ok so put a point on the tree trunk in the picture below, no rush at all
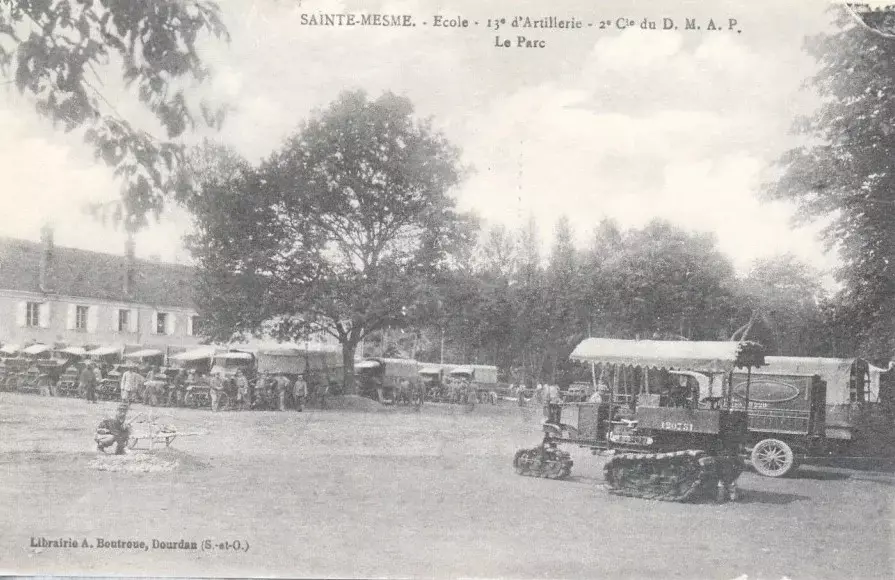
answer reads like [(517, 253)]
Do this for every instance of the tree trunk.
[(348, 349)]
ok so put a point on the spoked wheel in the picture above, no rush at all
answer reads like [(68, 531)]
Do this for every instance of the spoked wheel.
[(773, 458)]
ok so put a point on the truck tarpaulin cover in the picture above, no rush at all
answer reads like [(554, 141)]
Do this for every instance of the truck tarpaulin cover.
[(367, 364), (145, 353), (835, 371), (298, 361), (36, 349), (195, 354), (717, 356), (104, 351)]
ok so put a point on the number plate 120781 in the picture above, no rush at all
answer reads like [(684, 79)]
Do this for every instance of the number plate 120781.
[(672, 426)]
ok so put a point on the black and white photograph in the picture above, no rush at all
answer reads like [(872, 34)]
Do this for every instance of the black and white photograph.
[(447, 289)]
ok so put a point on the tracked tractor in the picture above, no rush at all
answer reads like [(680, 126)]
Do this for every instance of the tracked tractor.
[(672, 438)]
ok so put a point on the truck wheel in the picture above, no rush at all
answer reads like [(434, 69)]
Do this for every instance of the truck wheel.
[(773, 458)]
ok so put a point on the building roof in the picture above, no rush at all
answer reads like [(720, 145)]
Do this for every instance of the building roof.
[(84, 274)]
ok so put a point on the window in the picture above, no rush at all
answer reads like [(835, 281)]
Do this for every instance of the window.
[(161, 323), (32, 314), (195, 326), (124, 321), (81, 317), (859, 387)]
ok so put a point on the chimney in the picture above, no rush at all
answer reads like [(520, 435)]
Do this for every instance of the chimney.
[(130, 265), (46, 259)]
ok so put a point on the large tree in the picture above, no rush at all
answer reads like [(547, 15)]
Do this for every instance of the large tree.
[(530, 331), (566, 312), (783, 299), (668, 283), (60, 51), (343, 231), (844, 171)]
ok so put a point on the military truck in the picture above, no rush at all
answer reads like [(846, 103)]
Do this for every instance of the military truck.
[(379, 378)]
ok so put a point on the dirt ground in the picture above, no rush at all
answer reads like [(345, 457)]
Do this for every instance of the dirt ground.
[(346, 493)]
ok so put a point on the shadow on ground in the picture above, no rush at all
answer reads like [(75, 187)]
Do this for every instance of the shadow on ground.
[(755, 496)]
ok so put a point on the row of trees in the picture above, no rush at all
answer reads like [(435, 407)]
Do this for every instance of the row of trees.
[(525, 312)]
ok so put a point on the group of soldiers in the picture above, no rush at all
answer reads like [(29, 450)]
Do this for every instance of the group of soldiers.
[(452, 390), (272, 391), (150, 385)]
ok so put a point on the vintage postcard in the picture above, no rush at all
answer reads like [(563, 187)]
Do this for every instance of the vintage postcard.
[(447, 289)]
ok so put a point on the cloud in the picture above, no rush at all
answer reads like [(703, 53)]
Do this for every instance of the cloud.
[(632, 125), (651, 126)]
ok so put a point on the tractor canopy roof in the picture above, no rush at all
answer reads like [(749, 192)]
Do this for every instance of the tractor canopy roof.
[(715, 356)]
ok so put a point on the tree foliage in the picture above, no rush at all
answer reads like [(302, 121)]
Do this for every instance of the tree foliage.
[(57, 52), (525, 312), (344, 230), (844, 173), (663, 281), (785, 300)]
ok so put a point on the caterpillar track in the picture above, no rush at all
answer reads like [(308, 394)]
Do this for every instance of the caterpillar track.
[(547, 462), (676, 476)]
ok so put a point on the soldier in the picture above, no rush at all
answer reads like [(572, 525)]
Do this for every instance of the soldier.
[(131, 385), (87, 382), (678, 392), (176, 394), (117, 428), (97, 371), (282, 384), (403, 391), (553, 398), (242, 390), (217, 387), (299, 392), (601, 395)]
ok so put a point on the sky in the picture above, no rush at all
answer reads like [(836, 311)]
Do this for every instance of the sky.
[(628, 124)]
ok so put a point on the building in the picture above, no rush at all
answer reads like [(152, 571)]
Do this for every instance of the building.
[(51, 294)]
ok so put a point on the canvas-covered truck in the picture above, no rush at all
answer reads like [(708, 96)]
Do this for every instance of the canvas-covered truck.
[(431, 377), (225, 364), (857, 419), (786, 419), (482, 380), (380, 378), (35, 378), (670, 440), (320, 365)]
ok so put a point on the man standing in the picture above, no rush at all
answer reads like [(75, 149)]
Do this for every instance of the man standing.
[(299, 392), (178, 390), (282, 383), (553, 398), (131, 385), (242, 390), (87, 382), (217, 387)]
